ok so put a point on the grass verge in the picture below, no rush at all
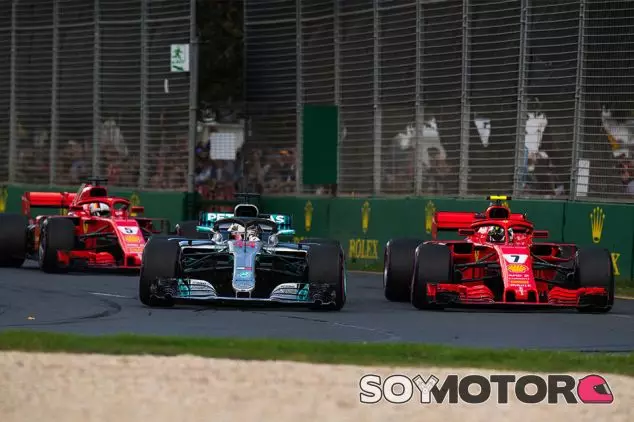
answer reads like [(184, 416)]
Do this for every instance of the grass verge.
[(624, 288), (322, 352)]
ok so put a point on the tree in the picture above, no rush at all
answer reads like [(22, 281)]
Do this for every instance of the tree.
[(221, 51)]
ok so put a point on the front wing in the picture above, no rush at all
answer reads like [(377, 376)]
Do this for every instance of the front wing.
[(457, 295), (201, 291), (98, 260)]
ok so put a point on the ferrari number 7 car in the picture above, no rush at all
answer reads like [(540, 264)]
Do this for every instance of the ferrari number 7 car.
[(97, 230), (496, 263), (242, 260)]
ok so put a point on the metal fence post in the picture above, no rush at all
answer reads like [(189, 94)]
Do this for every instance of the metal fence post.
[(52, 153), (298, 94), (96, 91), (143, 148), (376, 102), (13, 121), (579, 103), (337, 87), (418, 119), (465, 113), (193, 97), (521, 101)]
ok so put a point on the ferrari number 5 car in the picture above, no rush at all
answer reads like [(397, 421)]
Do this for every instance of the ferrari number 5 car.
[(96, 231), (242, 260), (497, 262)]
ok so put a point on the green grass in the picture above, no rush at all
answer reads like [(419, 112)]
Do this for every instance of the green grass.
[(322, 352), (624, 288)]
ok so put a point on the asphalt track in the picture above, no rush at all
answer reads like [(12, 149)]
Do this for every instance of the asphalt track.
[(89, 303)]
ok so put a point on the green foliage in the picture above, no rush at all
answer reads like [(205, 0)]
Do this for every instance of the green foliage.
[(220, 32), (405, 354)]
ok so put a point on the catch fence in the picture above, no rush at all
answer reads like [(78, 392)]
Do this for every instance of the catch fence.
[(448, 97), (88, 89)]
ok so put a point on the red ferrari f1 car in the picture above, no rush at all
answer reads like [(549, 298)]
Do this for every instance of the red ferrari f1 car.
[(497, 263), (97, 231)]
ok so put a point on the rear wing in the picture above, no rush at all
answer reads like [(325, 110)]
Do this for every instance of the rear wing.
[(57, 200), (456, 220), (284, 221)]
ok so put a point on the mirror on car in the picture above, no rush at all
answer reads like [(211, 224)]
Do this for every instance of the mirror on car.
[(465, 232)]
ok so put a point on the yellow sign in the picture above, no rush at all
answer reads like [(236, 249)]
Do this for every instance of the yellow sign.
[(506, 204), (4, 194), (308, 216), (135, 201), (615, 258), (131, 238), (517, 268), (363, 248), (365, 216), (430, 209), (597, 218)]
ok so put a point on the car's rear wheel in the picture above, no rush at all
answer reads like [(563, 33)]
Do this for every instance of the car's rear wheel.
[(433, 264), (398, 268), (13, 239), (56, 235), (326, 265), (594, 268), (160, 260)]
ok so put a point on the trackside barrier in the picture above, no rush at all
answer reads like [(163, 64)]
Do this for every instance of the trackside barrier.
[(365, 225)]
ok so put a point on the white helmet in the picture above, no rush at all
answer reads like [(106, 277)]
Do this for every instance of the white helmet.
[(99, 210)]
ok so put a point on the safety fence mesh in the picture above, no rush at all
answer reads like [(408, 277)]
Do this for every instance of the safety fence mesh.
[(455, 97), (87, 90)]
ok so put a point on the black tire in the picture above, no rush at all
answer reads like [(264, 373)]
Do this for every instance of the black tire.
[(594, 268), (160, 259), (326, 265), (57, 234), (398, 268), (13, 239), (433, 264), (187, 229)]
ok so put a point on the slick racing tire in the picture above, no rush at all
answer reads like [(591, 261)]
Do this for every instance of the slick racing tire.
[(398, 268), (187, 229), (326, 265), (593, 268), (160, 259), (13, 235), (433, 264), (57, 235)]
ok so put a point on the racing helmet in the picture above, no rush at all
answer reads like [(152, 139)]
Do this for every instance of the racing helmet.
[(254, 232), (99, 209), (496, 234), (236, 231)]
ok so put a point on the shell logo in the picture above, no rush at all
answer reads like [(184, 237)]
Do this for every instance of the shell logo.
[(517, 268)]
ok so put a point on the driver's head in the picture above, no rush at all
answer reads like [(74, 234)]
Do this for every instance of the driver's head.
[(236, 231), (254, 232), (496, 234), (99, 210)]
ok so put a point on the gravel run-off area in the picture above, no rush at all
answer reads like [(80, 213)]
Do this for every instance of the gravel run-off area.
[(83, 388)]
